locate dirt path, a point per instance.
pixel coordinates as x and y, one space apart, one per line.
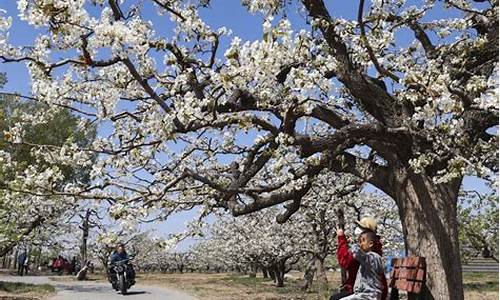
87 290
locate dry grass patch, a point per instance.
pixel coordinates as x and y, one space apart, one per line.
229 286
25 291
97 277
481 286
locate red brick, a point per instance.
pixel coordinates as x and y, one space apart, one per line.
420 275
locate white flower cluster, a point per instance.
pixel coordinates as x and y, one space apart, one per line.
36 12
5 23
257 240
263 6
170 106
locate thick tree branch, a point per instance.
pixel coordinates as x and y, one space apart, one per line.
332 118
368 171
374 99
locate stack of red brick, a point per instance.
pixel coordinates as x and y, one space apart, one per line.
408 274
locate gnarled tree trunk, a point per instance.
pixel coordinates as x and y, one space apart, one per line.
428 214
280 277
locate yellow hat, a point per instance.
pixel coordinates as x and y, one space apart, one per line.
368 223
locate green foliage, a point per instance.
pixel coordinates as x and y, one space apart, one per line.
481 282
478 225
23 214
61 129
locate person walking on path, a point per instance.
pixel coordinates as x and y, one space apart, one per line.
22 261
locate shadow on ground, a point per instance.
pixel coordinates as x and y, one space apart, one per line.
136 293
482 286
84 288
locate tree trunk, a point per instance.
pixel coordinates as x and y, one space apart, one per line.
10 261
15 258
319 263
39 256
253 271
85 235
103 258
309 274
272 274
428 213
280 277
264 272
280 271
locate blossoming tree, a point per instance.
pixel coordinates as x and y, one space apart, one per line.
25 215
257 241
192 127
478 229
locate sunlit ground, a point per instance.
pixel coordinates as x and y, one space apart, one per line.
232 286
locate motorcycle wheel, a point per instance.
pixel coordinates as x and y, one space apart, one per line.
122 284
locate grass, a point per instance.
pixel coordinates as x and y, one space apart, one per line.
233 286
98 277
226 286
18 290
481 285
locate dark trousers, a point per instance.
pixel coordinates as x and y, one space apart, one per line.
340 295
21 269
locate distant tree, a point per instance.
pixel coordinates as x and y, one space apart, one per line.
22 213
478 225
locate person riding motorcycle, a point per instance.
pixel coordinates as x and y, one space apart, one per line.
120 255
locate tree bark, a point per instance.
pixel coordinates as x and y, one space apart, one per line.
428 213
272 274
85 236
253 271
16 252
264 272
319 263
309 274
280 271
280 277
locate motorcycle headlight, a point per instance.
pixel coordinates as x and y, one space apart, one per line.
119 269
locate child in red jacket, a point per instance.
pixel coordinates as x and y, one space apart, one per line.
347 261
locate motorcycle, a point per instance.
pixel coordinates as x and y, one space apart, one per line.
122 275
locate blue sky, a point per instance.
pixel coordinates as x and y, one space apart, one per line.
229 13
